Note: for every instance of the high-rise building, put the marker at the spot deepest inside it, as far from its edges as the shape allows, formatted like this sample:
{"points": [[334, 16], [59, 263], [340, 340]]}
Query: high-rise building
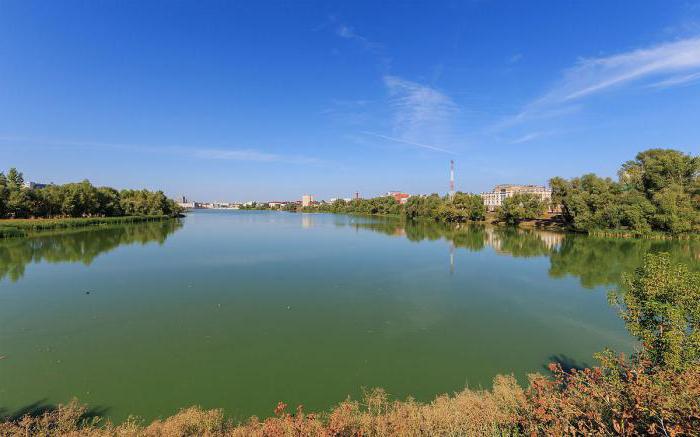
{"points": [[307, 200]]}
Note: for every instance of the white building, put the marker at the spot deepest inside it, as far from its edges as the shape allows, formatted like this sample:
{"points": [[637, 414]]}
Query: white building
{"points": [[495, 197], [34, 185], [307, 200]]}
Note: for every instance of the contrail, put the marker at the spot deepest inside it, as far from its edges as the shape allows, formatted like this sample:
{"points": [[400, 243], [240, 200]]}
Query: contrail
{"points": [[399, 140]]}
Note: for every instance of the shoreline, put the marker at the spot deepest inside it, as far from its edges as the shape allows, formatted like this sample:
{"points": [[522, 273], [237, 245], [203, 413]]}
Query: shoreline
{"points": [[23, 228], [538, 224]]}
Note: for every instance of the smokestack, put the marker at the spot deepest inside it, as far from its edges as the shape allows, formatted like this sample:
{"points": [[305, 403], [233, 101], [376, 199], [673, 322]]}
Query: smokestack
{"points": [[452, 178]]}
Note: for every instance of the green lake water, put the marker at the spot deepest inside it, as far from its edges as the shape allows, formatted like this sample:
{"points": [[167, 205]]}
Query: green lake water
{"points": [[240, 310]]}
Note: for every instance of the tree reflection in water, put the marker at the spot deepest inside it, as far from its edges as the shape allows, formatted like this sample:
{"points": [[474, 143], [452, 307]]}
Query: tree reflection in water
{"points": [[596, 261], [82, 245]]}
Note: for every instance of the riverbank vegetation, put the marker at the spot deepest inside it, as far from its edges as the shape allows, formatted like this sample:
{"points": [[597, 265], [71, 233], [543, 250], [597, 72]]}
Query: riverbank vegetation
{"points": [[654, 392], [657, 195], [77, 200], [658, 191], [462, 207], [27, 227]]}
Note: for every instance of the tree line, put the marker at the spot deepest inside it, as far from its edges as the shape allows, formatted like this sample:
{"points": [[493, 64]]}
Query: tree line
{"points": [[459, 208], [657, 191], [80, 199]]}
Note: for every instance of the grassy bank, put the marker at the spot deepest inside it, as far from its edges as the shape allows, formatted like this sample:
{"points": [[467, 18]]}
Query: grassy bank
{"points": [[13, 228]]}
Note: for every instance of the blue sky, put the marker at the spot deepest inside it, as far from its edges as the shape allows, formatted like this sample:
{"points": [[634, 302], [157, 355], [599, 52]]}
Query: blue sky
{"points": [[269, 100]]}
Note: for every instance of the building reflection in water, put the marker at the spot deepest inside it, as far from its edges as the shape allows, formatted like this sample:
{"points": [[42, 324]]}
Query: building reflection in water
{"points": [[595, 261], [307, 221]]}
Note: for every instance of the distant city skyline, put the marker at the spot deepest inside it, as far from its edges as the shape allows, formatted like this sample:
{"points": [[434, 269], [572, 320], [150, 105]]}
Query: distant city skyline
{"points": [[223, 101]]}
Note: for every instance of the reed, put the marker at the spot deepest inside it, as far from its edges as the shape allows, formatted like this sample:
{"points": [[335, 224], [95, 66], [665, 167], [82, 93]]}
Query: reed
{"points": [[10, 228]]}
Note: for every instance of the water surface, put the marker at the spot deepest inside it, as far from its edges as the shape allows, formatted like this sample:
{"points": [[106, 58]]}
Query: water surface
{"points": [[239, 310]]}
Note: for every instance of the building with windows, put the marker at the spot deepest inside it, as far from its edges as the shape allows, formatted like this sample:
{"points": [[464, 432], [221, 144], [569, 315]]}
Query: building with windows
{"points": [[307, 200], [495, 197]]}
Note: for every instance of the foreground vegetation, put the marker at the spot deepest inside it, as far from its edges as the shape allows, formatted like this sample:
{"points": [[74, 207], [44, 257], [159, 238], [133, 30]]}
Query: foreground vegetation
{"points": [[76, 200], [654, 392]]}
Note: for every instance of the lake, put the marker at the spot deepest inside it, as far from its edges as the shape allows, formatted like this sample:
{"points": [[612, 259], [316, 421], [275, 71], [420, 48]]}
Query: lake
{"points": [[242, 309]]}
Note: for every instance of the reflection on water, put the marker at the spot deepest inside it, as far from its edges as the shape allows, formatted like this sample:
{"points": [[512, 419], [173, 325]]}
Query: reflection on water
{"points": [[82, 245], [300, 308], [595, 261]]}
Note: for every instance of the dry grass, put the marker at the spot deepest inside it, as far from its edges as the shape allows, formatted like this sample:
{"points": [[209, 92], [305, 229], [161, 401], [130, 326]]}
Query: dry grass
{"points": [[624, 401]]}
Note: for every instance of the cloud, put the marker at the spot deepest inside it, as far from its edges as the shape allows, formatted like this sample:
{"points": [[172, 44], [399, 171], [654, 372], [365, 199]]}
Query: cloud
{"points": [[532, 136], [251, 155], [194, 152], [597, 75], [348, 32], [676, 80], [515, 58], [528, 137], [421, 113], [412, 143]]}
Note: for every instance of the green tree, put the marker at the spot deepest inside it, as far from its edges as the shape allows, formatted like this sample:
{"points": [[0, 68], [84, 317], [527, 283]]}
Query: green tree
{"points": [[15, 179], [658, 191], [108, 202], [4, 194], [656, 169], [471, 206], [423, 206], [660, 304], [519, 207], [20, 204]]}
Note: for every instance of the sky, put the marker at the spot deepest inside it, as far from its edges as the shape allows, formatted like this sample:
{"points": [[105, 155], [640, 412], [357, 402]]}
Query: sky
{"points": [[256, 100]]}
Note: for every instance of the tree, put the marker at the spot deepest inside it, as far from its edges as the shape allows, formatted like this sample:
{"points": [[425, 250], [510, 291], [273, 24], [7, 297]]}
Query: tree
{"points": [[4, 194], [15, 179], [656, 169], [80, 199], [423, 207], [470, 206], [660, 304], [19, 204], [519, 207], [657, 191], [108, 201]]}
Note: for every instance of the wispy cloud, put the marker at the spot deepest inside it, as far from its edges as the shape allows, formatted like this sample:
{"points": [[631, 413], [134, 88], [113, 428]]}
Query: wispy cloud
{"points": [[529, 137], [514, 59], [676, 80], [194, 152], [251, 155], [420, 112], [412, 143], [347, 32], [674, 63], [595, 75]]}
